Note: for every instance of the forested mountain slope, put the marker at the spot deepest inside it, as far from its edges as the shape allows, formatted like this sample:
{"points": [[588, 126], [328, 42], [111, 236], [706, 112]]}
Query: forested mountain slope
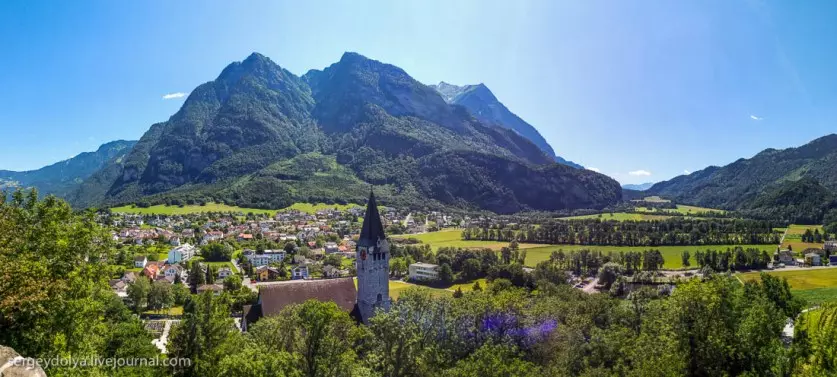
{"points": [[355, 123]]}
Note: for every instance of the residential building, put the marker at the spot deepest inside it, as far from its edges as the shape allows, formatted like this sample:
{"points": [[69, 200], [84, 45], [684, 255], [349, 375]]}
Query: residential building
{"points": [[172, 270], [299, 272], [265, 258], [830, 246], [832, 260], [424, 271], [181, 253], [812, 259], [224, 272], [140, 261]]}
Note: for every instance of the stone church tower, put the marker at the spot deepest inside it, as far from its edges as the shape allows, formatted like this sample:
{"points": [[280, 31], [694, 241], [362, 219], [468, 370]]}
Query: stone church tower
{"points": [[372, 264]]}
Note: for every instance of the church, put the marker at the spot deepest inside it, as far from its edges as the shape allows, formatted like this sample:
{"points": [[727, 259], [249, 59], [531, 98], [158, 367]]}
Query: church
{"points": [[372, 292]]}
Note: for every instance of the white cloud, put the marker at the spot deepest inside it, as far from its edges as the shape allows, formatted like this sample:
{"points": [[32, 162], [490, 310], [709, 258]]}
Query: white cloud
{"points": [[755, 117], [594, 169], [640, 173], [174, 95], [686, 172]]}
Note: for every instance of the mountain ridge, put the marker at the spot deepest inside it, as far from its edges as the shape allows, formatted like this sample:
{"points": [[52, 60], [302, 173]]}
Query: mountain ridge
{"points": [[61, 177], [240, 137], [484, 105]]}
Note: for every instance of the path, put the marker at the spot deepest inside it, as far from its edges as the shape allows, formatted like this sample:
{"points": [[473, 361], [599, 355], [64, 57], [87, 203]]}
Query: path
{"points": [[161, 342], [591, 288]]}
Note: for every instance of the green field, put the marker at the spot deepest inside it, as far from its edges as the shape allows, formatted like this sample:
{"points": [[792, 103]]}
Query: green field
{"points": [[815, 286], [618, 216], [536, 253], [683, 209], [176, 310], [671, 254], [217, 207], [793, 238], [396, 287], [453, 238]]}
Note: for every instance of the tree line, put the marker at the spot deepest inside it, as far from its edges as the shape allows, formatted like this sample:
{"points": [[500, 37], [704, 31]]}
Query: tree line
{"points": [[674, 231]]}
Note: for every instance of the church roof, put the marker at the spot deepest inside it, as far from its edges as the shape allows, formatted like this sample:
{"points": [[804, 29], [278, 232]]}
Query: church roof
{"points": [[373, 228], [275, 297]]}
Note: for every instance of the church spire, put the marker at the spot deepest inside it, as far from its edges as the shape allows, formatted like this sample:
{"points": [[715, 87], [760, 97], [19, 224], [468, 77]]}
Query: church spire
{"points": [[372, 229]]}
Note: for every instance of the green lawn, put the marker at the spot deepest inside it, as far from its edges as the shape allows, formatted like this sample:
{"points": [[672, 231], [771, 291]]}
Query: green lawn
{"points": [[177, 310], [396, 287], [453, 238], [189, 209], [793, 238], [683, 209], [671, 254], [815, 286], [217, 207], [469, 286], [619, 216]]}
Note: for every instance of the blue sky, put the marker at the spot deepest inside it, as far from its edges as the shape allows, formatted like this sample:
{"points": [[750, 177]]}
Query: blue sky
{"points": [[640, 90]]}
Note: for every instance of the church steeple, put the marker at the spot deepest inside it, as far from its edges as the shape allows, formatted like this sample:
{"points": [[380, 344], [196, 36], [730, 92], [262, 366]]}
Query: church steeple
{"points": [[372, 229], [372, 262]]}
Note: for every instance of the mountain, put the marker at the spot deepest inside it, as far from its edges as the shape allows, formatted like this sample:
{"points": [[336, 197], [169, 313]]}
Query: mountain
{"points": [[639, 187], [63, 177], [482, 103], [259, 136], [786, 180]]}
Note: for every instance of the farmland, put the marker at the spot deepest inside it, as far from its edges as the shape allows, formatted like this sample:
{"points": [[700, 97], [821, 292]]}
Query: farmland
{"points": [[671, 254], [814, 285], [218, 207], [536, 253], [453, 238], [793, 237], [619, 216]]}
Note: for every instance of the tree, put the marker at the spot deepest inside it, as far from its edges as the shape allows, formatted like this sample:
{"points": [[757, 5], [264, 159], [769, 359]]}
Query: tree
{"points": [[335, 260], [204, 335], [138, 294], [217, 252], [445, 274], [493, 361], [196, 276], [458, 293], [160, 296], [472, 269], [685, 257], [477, 287], [609, 273], [232, 283]]}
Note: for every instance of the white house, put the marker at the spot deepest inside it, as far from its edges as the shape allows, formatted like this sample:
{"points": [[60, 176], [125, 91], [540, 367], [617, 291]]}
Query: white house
{"points": [[173, 270], [299, 272], [140, 261], [331, 247], [424, 271], [266, 258], [181, 253]]}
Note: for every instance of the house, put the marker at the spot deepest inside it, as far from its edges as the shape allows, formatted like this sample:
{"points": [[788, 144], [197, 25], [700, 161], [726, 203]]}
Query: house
{"points": [[832, 260], [245, 237], [332, 272], [812, 259], [151, 271], [785, 257], [119, 287], [830, 246], [172, 270], [181, 253], [214, 288], [140, 261], [224, 272], [265, 273], [129, 277], [424, 271], [299, 272], [331, 247], [265, 258]]}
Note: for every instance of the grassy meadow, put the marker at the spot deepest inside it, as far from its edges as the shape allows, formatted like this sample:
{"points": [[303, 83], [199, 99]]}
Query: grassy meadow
{"points": [[671, 254], [218, 207], [815, 286], [536, 253], [793, 238], [619, 216], [453, 238]]}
